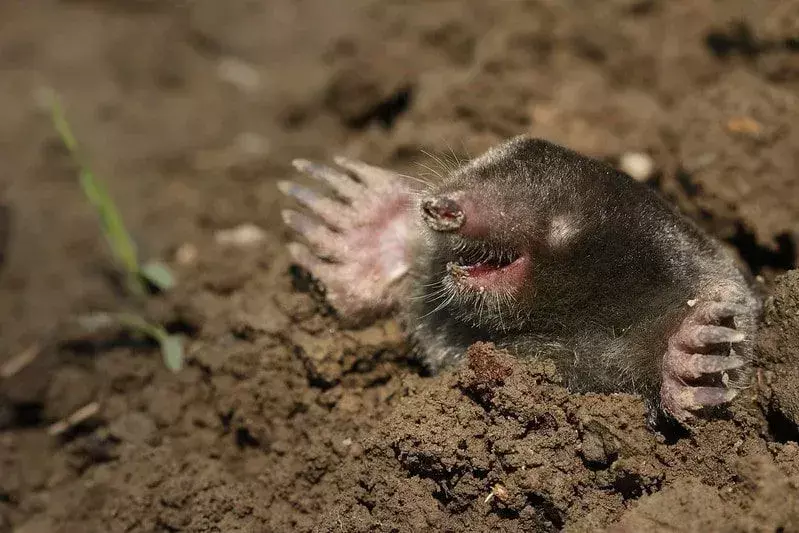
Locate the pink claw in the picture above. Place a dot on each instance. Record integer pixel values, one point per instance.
(358, 246)
(698, 351)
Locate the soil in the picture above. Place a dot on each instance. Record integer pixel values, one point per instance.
(283, 420)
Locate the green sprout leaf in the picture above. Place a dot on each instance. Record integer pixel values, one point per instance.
(171, 345)
(158, 274)
(119, 240)
(172, 350)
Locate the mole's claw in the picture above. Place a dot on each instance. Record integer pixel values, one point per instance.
(303, 256)
(696, 365)
(323, 240)
(710, 312)
(358, 248)
(710, 364)
(707, 335)
(330, 211)
(299, 223)
(700, 331)
(374, 177)
(695, 398)
(344, 186)
(678, 399)
(693, 337)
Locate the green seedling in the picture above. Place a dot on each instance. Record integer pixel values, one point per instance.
(171, 345)
(124, 251)
(116, 235)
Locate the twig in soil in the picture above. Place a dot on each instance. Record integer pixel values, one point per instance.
(171, 345)
(19, 361)
(78, 417)
(116, 235)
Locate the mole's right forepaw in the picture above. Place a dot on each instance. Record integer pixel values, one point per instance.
(357, 239)
(700, 358)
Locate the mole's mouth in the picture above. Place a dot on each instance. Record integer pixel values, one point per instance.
(489, 269)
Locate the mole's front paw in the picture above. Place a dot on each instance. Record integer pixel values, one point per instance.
(700, 358)
(357, 241)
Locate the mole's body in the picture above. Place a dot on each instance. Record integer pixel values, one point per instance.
(546, 253)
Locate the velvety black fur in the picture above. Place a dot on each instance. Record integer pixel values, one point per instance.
(602, 302)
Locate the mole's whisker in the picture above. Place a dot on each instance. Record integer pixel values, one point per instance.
(438, 160)
(431, 170)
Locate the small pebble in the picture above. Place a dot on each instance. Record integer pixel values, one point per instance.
(638, 165)
(744, 125)
(239, 74)
(243, 235)
(186, 254)
(251, 144)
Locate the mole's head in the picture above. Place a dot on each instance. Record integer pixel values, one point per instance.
(500, 232)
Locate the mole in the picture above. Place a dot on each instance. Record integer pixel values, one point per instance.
(544, 252)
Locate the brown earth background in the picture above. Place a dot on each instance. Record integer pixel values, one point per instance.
(282, 420)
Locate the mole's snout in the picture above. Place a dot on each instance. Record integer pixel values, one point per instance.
(442, 213)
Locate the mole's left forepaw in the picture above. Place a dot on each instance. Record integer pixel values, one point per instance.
(356, 236)
(700, 356)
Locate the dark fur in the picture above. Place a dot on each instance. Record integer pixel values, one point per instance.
(602, 306)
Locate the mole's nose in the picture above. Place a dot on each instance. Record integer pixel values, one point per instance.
(442, 213)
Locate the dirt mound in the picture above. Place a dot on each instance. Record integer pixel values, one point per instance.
(272, 431)
(737, 151)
